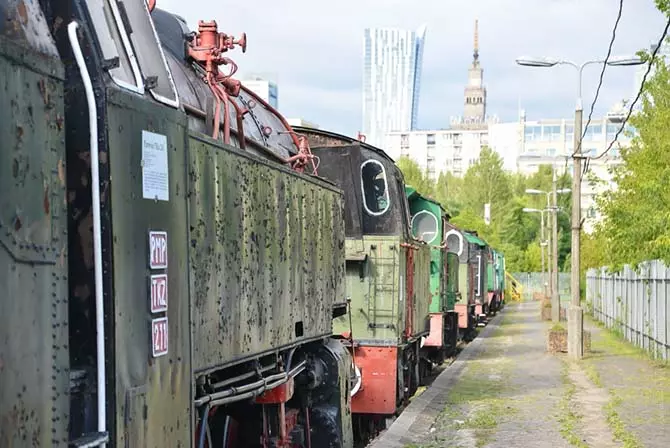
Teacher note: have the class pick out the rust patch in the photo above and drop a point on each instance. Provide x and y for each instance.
(19, 131)
(85, 231)
(61, 260)
(86, 157)
(17, 224)
(58, 21)
(22, 12)
(42, 85)
(82, 291)
(61, 172)
(47, 205)
(102, 157)
(59, 121)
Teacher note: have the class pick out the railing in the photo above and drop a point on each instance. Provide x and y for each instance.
(533, 284)
(515, 287)
(635, 305)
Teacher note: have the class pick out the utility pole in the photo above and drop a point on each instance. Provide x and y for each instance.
(555, 299)
(542, 244)
(576, 315)
(549, 252)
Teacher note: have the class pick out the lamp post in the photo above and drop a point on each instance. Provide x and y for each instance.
(575, 313)
(553, 269)
(543, 243)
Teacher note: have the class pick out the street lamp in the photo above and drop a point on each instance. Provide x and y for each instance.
(543, 243)
(553, 266)
(575, 313)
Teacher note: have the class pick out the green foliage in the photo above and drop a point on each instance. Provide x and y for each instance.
(513, 231)
(415, 177)
(636, 214)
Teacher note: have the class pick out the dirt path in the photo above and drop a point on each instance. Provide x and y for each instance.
(588, 404)
(507, 391)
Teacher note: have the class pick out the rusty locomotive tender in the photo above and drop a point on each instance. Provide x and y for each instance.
(171, 262)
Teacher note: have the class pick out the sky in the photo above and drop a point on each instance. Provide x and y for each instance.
(314, 51)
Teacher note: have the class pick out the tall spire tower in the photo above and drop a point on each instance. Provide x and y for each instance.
(475, 55)
(474, 113)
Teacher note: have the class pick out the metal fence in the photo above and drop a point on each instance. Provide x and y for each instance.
(634, 304)
(533, 282)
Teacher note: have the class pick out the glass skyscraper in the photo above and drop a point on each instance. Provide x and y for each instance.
(391, 81)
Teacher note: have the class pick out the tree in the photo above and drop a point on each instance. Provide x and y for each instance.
(487, 183)
(514, 232)
(636, 214)
(415, 177)
(448, 192)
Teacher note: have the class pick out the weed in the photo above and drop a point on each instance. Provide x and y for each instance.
(616, 424)
(568, 419)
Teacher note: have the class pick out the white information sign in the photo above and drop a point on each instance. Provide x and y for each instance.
(155, 182)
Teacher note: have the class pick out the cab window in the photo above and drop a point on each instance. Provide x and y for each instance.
(375, 188)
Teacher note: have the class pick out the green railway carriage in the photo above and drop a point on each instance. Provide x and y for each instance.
(498, 286)
(428, 224)
(502, 273)
(388, 272)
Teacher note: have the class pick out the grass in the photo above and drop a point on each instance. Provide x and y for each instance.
(569, 420)
(614, 342)
(617, 425)
(558, 326)
(592, 374)
(610, 344)
(476, 401)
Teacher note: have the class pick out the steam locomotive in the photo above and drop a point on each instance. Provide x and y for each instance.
(175, 259)
(169, 272)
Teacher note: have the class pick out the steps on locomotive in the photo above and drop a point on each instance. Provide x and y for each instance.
(90, 440)
(83, 410)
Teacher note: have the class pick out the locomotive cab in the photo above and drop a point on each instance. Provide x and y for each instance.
(387, 276)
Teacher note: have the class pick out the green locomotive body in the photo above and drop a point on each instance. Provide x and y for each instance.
(388, 275)
(428, 224)
(170, 277)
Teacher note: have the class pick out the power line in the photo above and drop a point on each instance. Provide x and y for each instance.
(639, 93)
(602, 75)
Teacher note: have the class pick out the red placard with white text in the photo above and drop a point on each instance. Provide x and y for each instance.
(158, 295)
(158, 250)
(159, 337)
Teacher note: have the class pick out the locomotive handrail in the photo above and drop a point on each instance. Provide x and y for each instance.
(97, 233)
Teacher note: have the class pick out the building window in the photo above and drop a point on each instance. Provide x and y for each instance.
(425, 226)
(550, 133)
(375, 188)
(569, 133)
(404, 141)
(430, 139)
(594, 132)
(551, 152)
(532, 133)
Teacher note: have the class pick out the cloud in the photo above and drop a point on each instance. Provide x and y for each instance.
(314, 50)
